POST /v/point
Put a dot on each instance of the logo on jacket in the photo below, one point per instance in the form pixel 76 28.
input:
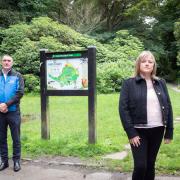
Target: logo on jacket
pixel 11 81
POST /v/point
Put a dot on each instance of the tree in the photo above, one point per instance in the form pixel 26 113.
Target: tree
pixel 164 30
pixel 177 35
pixel 9 13
pixel 15 11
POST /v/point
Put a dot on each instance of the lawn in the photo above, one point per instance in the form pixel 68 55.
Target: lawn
pixel 69 131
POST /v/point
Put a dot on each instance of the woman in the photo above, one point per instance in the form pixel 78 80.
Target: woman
pixel 146 115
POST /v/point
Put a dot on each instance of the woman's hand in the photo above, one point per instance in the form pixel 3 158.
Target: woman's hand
pixel 135 141
pixel 167 141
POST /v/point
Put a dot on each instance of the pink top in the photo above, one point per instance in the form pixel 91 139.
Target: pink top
pixel 154 115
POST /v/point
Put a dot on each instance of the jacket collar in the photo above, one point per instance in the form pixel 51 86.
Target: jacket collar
pixel 139 78
pixel 9 72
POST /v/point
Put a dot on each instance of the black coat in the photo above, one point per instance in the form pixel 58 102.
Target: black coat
pixel 133 105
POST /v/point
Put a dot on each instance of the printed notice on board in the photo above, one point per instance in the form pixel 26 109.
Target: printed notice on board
pixel 67 74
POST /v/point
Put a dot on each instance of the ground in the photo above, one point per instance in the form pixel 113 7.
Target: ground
pixel 64 168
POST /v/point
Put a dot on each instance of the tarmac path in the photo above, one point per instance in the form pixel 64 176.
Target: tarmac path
pixel 38 171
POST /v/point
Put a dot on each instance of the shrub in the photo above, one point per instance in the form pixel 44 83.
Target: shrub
pixel 110 76
pixel 114 60
pixel 32 83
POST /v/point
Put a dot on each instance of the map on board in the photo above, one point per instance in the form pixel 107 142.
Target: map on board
pixel 67 74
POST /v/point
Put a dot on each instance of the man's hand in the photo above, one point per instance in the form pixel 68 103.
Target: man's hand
pixel 3 108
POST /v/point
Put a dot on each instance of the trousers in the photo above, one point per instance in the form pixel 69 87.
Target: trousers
pixel 145 155
pixel 13 120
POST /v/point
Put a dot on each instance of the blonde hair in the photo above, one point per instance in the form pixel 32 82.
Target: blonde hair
pixel 141 56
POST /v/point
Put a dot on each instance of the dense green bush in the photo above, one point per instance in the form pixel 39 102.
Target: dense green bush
pixel 110 76
pixel 13 38
pixel 126 45
pixel 23 42
pixel 118 63
pixel 32 83
pixel 26 58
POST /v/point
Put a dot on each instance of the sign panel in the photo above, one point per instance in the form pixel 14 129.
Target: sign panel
pixel 71 73
pixel 67 74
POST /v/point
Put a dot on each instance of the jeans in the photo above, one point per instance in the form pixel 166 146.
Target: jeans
pixel 145 155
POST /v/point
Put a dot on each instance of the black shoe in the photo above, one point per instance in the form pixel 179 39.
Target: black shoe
pixel 3 165
pixel 17 166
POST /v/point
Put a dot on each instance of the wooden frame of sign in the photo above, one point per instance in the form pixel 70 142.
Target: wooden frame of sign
pixel 90 91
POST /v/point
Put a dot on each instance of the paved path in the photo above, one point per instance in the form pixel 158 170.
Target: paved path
pixel 174 87
pixel 32 171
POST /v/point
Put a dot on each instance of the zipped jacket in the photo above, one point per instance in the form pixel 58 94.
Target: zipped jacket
pixel 133 105
pixel 11 89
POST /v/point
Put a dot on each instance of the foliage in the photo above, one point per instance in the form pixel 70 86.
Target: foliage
pixel 126 45
pixel 31 83
pixel 23 42
pixel 85 17
pixel 164 29
pixel 151 21
pixel 16 11
pixel 104 37
pixel 9 17
pixel 13 38
pixel 177 35
pixel 82 15
pixel 26 58
pixel 124 49
pixel 110 76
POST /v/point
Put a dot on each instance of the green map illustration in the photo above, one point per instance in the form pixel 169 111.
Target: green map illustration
pixel 68 76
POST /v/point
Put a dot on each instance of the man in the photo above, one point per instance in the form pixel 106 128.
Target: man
pixel 11 91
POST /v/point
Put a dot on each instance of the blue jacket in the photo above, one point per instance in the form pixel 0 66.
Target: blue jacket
pixel 133 105
pixel 11 90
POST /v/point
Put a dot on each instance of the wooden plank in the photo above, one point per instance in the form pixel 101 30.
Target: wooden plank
pixel 45 131
pixel 92 95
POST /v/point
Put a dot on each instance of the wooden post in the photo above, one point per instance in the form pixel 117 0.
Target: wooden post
pixel 45 132
pixel 92 94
